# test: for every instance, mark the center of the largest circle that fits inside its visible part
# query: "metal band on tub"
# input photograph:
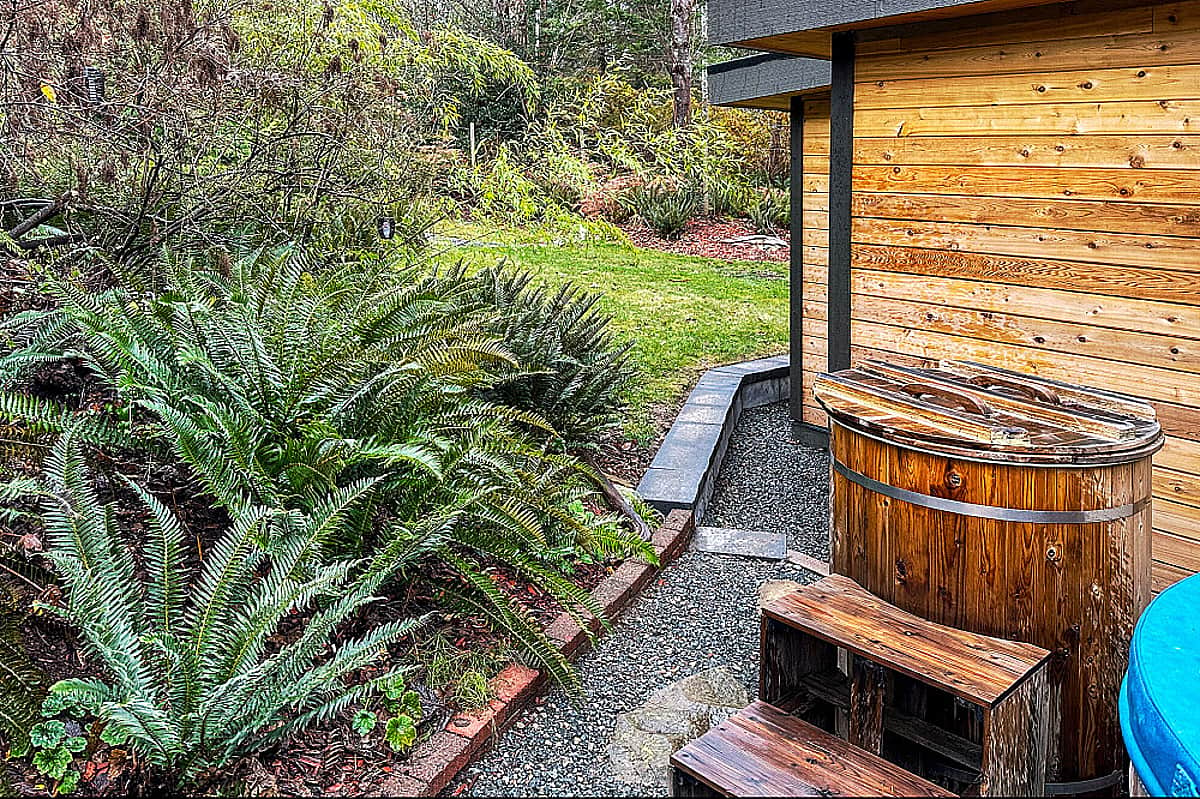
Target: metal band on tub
(991, 511)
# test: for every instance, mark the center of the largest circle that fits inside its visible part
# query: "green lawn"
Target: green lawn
(685, 314)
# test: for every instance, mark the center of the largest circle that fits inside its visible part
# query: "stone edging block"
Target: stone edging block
(438, 760)
(685, 467)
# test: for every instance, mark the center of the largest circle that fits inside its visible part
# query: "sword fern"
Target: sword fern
(194, 674)
(284, 383)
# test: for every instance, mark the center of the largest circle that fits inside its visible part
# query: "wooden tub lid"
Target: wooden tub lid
(965, 409)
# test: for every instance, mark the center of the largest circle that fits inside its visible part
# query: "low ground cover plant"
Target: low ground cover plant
(248, 438)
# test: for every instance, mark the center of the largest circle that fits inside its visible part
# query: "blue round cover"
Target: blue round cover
(1160, 697)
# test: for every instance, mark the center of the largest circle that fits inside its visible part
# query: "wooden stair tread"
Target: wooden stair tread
(978, 668)
(762, 751)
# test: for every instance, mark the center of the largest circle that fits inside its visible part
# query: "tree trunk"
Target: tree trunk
(681, 60)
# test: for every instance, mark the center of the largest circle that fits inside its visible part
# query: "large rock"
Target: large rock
(771, 590)
(644, 739)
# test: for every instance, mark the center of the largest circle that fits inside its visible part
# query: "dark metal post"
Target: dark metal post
(796, 258)
(841, 174)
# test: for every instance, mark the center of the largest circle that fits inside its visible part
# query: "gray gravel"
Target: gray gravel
(702, 612)
(770, 482)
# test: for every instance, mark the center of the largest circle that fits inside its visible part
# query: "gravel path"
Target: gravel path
(701, 612)
(770, 482)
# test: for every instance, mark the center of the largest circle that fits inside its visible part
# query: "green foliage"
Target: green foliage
(400, 733)
(472, 691)
(382, 398)
(54, 753)
(196, 674)
(508, 192)
(462, 673)
(664, 208)
(574, 371)
(364, 722)
(402, 708)
(22, 685)
(730, 198)
(47, 733)
(771, 211)
(260, 122)
(53, 761)
(686, 314)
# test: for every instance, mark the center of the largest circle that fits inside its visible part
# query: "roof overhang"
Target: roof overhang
(802, 27)
(767, 80)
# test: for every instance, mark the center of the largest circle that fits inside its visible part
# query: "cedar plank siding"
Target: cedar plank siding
(1028, 195)
(815, 242)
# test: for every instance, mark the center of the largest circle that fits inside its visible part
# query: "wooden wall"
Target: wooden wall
(1027, 194)
(816, 249)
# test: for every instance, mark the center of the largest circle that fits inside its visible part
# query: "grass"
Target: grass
(685, 314)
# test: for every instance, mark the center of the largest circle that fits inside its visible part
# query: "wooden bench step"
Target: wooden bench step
(762, 751)
(980, 669)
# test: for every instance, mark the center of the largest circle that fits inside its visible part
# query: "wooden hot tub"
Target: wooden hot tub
(1006, 505)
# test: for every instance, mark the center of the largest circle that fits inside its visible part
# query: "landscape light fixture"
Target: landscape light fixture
(387, 227)
(93, 83)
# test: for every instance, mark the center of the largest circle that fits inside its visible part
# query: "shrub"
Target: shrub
(729, 198)
(771, 211)
(665, 209)
(196, 671)
(287, 380)
(573, 373)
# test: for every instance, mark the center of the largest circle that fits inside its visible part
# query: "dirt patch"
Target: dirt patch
(711, 238)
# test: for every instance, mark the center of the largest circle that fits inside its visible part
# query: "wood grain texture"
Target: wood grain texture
(1120, 83)
(1175, 186)
(1151, 220)
(1014, 760)
(1065, 21)
(1086, 247)
(837, 610)
(1131, 117)
(1030, 331)
(1065, 305)
(815, 257)
(1073, 589)
(1113, 49)
(868, 692)
(1034, 149)
(1027, 194)
(762, 751)
(1146, 283)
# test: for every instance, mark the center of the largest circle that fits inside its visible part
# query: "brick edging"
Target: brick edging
(438, 760)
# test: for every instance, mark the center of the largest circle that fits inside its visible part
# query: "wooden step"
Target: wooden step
(977, 668)
(762, 751)
(967, 711)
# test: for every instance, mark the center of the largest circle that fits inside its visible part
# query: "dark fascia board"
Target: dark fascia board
(765, 80)
(733, 22)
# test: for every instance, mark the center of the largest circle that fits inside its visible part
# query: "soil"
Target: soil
(708, 238)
